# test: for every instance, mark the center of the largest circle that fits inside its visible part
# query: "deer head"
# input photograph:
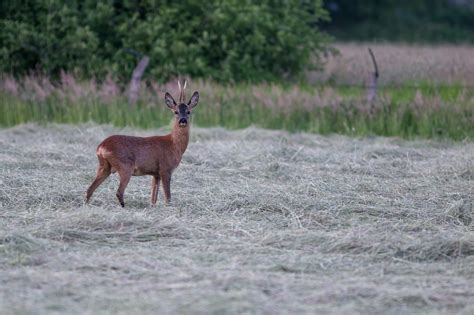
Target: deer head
(182, 110)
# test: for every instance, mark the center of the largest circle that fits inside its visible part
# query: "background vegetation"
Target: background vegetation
(229, 40)
(255, 62)
(416, 21)
(409, 103)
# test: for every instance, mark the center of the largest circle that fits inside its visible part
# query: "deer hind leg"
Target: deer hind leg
(125, 172)
(103, 171)
(155, 185)
(166, 181)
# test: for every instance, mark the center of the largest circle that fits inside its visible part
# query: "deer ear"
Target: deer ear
(169, 100)
(193, 101)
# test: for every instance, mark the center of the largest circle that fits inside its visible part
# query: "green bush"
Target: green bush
(229, 40)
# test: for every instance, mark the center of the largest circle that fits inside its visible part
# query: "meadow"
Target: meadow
(424, 92)
(349, 207)
(262, 222)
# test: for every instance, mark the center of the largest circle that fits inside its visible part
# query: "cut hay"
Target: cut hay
(261, 222)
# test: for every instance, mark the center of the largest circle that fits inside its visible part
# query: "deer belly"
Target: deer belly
(140, 170)
(137, 172)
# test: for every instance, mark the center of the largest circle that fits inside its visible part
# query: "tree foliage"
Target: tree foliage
(230, 40)
(450, 21)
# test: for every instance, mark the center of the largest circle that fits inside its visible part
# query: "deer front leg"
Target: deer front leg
(166, 181)
(155, 185)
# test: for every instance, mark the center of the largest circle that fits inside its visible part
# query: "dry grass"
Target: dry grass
(399, 64)
(262, 222)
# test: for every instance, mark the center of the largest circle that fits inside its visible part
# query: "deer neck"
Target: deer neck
(180, 137)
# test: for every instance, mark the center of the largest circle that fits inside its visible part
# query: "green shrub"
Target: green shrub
(228, 40)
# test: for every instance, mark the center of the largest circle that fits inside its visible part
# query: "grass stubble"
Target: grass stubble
(261, 222)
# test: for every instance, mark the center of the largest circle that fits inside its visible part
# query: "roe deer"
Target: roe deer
(157, 156)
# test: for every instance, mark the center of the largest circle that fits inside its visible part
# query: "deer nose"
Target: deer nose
(183, 122)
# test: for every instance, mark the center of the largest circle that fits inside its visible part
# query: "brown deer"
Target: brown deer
(157, 156)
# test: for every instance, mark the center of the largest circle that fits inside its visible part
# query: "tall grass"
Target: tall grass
(428, 111)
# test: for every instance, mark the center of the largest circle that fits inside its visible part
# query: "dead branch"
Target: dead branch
(136, 79)
(372, 87)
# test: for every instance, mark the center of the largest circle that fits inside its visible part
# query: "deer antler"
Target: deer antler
(182, 91)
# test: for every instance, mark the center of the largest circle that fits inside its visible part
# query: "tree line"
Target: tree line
(228, 40)
(225, 40)
(414, 21)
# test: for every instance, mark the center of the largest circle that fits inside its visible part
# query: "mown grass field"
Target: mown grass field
(262, 222)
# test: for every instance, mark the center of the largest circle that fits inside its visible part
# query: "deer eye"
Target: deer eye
(188, 112)
(176, 112)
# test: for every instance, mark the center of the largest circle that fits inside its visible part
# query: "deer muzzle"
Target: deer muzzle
(183, 122)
